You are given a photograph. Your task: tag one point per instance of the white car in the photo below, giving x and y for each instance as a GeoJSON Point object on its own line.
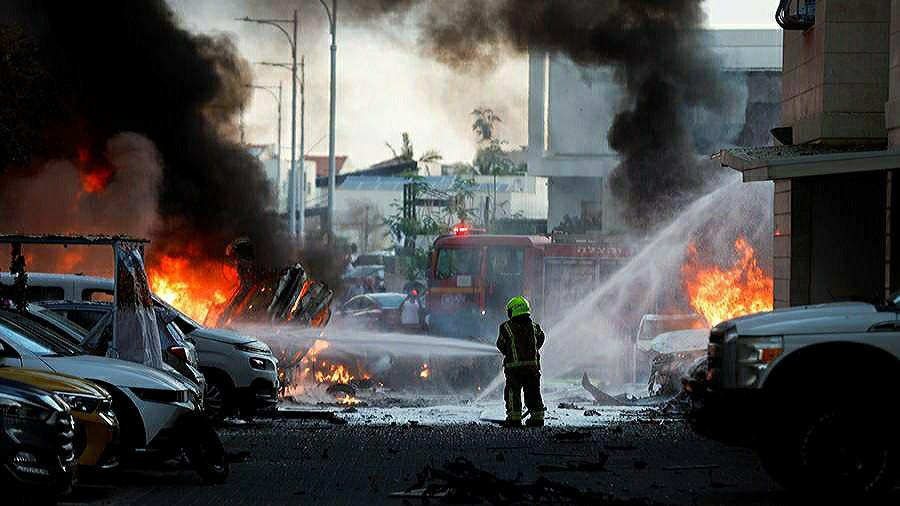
{"type": "Point", "coordinates": [241, 372]}
{"type": "Point", "coordinates": [811, 388]}
{"type": "Point", "coordinates": [156, 397]}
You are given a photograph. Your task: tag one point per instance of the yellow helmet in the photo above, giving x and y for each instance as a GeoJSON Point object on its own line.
{"type": "Point", "coordinates": [517, 306]}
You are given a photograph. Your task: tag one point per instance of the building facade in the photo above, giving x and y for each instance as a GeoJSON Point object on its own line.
{"type": "Point", "coordinates": [571, 108]}
{"type": "Point", "coordinates": [839, 148]}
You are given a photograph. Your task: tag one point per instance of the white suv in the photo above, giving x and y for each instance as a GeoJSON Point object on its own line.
{"type": "Point", "coordinates": [241, 372]}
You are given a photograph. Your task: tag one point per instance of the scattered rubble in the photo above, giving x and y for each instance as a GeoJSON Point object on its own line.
{"type": "Point", "coordinates": [460, 481]}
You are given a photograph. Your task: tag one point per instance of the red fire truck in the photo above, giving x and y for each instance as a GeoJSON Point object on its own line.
{"type": "Point", "coordinates": [472, 276]}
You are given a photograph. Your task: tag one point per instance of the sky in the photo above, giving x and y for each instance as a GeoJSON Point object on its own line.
{"type": "Point", "coordinates": [384, 85]}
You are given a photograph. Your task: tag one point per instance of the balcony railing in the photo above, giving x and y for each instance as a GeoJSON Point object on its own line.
{"type": "Point", "coordinates": [796, 14]}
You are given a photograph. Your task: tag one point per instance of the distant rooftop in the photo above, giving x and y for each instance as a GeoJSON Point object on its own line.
{"type": "Point", "coordinates": [387, 183]}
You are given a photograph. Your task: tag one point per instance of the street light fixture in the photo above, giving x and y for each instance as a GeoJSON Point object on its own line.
{"type": "Point", "coordinates": [301, 199]}
{"type": "Point", "coordinates": [271, 91]}
{"type": "Point", "coordinates": [292, 40]}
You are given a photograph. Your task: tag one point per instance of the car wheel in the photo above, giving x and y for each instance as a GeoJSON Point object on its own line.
{"type": "Point", "coordinates": [218, 398]}
{"type": "Point", "coordinates": [844, 452]}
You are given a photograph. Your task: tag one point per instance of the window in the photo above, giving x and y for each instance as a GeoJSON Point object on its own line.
{"type": "Point", "coordinates": [45, 293]}
{"type": "Point", "coordinates": [84, 318]}
{"type": "Point", "coordinates": [506, 261]}
{"type": "Point", "coordinates": [455, 262]}
{"type": "Point", "coordinates": [97, 295]}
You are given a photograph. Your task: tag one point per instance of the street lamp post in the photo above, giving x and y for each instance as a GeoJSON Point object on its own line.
{"type": "Point", "coordinates": [332, 20]}
{"type": "Point", "coordinates": [271, 91]}
{"type": "Point", "coordinates": [292, 40]}
{"type": "Point", "coordinates": [301, 176]}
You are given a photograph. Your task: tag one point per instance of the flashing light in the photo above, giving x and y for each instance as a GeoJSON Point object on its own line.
{"type": "Point", "coordinates": [461, 229]}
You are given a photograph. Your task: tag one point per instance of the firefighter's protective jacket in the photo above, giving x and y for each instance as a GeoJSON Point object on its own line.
{"type": "Point", "coordinates": [520, 341]}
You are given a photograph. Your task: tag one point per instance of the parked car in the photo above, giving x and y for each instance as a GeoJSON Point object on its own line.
{"type": "Point", "coordinates": [156, 410]}
{"type": "Point", "coordinates": [372, 311]}
{"type": "Point", "coordinates": [811, 389]}
{"type": "Point", "coordinates": [36, 444]}
{"type": "Point", "coordinates": [178, 352]}
{"type": "Point", "coordinates": [240, 371]}
{"type": "Point", "coordinates": [96, 427]}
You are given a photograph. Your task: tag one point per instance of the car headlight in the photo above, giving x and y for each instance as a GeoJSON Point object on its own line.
{"type": "Point", "coordinates": [253, 347]}
{"type": "Point", "coordinates": [261, 364]}
{"type": "Point", "coordinates": [18, 411]}
{"type": "Point", "coordinates": [754, 354]}
{"type": "Point", "coordinates": [81, 402]}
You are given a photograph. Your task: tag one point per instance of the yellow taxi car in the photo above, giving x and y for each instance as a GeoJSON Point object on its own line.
{"type": "Point", "coordinates": [96, 427]}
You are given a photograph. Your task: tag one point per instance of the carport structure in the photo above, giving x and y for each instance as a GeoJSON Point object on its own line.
{"type": "Point", "coordinates": [134, 332]}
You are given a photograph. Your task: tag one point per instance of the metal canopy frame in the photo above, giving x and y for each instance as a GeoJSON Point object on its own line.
{"type": "Point", "coordinates": [64, 240]}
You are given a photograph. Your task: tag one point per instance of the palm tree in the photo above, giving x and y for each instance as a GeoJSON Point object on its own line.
{"type": "Point", "coordinates": [407, 153]}
{"type": "Point", "coordinates": [484, 124]}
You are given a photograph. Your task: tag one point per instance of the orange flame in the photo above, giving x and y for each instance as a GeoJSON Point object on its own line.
{"type": "Point", "coordinates": [310, 368]}
{"type": "Point", "coordinates": [719, 295]}
{"type": "Point", "coordinates": [425, 373]}
{"type": "Point", "coordinates": [197, 287]}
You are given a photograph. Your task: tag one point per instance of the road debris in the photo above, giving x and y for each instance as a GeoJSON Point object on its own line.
{"type": "Point", "coordinates": [601, 398]}
{"type": "Point", "coordinates": [461, 482]}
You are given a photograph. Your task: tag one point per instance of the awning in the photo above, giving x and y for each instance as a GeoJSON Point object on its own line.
{"type": "Point", "coordinates": [769, 163]}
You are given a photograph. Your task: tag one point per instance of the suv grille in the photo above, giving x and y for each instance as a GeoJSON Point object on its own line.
{"type": "Point", "coordinates": [66, 426]}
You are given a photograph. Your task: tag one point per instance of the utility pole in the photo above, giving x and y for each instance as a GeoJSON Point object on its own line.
{"type": "Point", "coordinates": [332, 19]}
{"type": "Point", "coordinates": [292, 178]}
{"type": "Point", "coordinates": [302, 217]}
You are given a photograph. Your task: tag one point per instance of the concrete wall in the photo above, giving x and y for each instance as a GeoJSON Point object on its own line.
{"type": "Point", "coordinates": [571, 108]}
{"type": "Point", "coordinates": [836, 73]}
{"type": "Point", "coordinates": [892, 108]}
{"type": "Point", "coordinates": [835, 240]}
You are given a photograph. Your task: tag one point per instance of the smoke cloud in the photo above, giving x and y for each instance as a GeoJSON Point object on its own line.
{"type": "Point", "coordinates": [653, 45]}
{"type": "Point", "coordinates": [87, 71]}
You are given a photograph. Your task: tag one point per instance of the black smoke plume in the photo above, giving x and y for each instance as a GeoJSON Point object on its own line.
{"type": "Point", "coordinates": [75, 75]}
{"type": "Point", "coordinates": [654, 46]}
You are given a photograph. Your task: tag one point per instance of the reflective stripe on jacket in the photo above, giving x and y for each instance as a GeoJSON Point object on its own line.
{"type": "Point", "coordinates": [520, 340]}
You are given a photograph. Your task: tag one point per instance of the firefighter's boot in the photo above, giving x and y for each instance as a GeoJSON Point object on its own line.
{"type": "Point", "coordinates": [535, 420]}
{"type": "Point", "coordinates": [511, 424]}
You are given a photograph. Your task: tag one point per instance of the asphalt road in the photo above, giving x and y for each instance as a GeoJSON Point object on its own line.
{"type": "Point", "coordinates": [281, 461]}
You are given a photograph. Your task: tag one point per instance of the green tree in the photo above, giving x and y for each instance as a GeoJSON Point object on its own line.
{"type": "Point", "coordinates": [491, 158]}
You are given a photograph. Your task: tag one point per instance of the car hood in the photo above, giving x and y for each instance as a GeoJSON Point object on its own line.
{"type": "Point", "coordinates": [678, 341]}
{"type": "Point", "coordinates": [53, 381]}
{"type": "Point", "coordinates": [838, 317]}
{"type": "Point", "coordinates": [222, 335]}
{"type": "Point", "coordinates": [115, 372]}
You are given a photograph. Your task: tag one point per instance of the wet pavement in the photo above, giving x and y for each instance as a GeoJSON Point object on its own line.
{"type": "Point", "coordinates": [622, 455]}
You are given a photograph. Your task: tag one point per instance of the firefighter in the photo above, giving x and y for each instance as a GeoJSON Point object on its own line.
{"type": "Point", "coordinates": [519, 341]}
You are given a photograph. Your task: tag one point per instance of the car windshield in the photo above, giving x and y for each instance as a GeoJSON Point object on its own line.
{"type": "Point", "coordinates": [388, 300]}
{"type": "Point", "coordinates": [454, 262]}
{"type": "Point", "coordinates": [184, 322]}
{"type": "Point", "coordinates": [38, 339]}
{"type": "Point", "coordinates": [75, 332]}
